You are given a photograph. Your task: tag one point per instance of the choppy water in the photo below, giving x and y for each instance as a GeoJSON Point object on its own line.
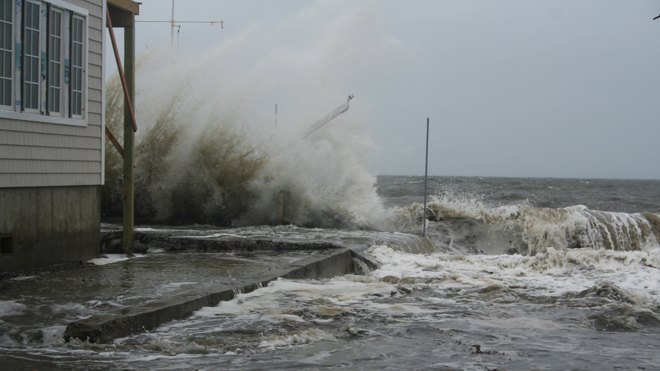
{"type": "Point", "coordinates": [524, 274]}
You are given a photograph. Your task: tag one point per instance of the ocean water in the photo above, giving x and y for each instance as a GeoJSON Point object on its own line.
{"type": "Point", "coordinates": [514, 274]}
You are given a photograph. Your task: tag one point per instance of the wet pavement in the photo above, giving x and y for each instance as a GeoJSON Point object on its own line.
{"type": "Point", "coordinates": [58, 298]}
{"type": "Point", "coordinates": [185, 269]}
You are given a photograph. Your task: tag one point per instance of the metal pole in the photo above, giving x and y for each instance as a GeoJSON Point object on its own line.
{"type": "Point", "coordinates": [129, 139]}
{"type": "Point", "coordinates": [172, 26]}
{"type": "Point", "coordinates": [426, 175]}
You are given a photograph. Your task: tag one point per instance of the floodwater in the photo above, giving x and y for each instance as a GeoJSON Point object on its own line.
{"type": "Point", "coordinates": [520, 274]}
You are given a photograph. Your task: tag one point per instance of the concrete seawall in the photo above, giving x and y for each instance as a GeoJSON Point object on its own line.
{"type": "Point", "coordinates": [318, 260]}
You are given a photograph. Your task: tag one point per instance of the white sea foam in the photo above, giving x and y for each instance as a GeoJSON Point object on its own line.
{"type": "Point", "coordinates": [53, 335]}
{"type": "Point", "coordinates": [303, 337]}
{"type": "Point", "coordinates": [112, 258]}
{"type": "Point", "coordinates": [11, 308]}
{"type": "Point", "coordinates": [332, 296]}
{"type": "Point", "coordinates": [22, 278]}
{"type": "Point", "coordinates": [554, 272]}
{"type": "Point", "coordinates": [524, 228]}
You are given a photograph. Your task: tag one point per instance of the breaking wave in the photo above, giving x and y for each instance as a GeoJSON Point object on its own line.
{"type": "Point", "coordinates": [211, 149]}
{"type": "Point", "coordinates": [468, 225]}
{"type": "Point", "coordinates": [212, 167]}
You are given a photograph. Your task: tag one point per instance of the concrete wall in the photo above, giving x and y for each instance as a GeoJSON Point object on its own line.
{"type": "Point", "coordinates": [48, 225]}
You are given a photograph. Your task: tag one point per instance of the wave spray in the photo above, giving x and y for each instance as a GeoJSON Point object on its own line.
{"type": "Point", "coordinates": [207, 151]}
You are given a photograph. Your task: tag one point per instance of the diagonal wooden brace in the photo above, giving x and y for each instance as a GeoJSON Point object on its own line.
{"type": "Point", "coordinates": [120, 69]}
{"type": "Point", "coordinates": [114, 141]}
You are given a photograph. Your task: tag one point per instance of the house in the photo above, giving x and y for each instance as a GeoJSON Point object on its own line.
{"type": "Point", "coordinates": [51, 129]}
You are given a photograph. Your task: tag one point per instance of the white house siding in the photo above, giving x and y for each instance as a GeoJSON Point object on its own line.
{"type": "Point", "coordinates": [43, 154]}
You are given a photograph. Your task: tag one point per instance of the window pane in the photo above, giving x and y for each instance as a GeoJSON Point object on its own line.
{"type": "Point", "coordinates": [8, 36]}
{"type": "Point", "coordinates": [35, 16]}
{"type": "Point", "coordinates": [35, 42]}
{"type": "Point", "coordinates": [56, 99]}
{"type": "Point", "coordinates": [74, 104]}
{"type": "Point", "coordinates": [34, 92]}
{"type": "Point", "coordinates": [34, 69]}
{"type": "Point", "coordinates": [6, 64]}
{"type": "Point", "coordinates": [28, 14]}
{"type": "Point", "coordinates": [28, 96]}
{"type": "Point", "coordinates": [5, 38]}
{"type": "Point", "coordinates": [5, 94]}
{"type": "Point", "coordinates": [77, 24]}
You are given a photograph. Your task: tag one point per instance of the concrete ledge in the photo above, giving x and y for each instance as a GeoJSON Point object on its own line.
{"type": "Point", "coordinates": [104, 328]}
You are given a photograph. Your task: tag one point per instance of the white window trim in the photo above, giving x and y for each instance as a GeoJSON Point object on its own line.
{"type": "Point", "coordinates": [13, 112]}
{"type": "Point", "coordinates": [25, 116]}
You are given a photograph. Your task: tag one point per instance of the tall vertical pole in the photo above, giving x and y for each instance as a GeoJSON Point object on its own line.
{"type": "Point", "coordinates": [426, 176]}
{"type": "Point", "coordinates": [129, 139]}
{"type": "Point", "coordinates": [172, 26]}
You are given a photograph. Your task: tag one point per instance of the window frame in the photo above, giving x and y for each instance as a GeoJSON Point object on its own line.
{"type": "Point", "coordinates": [43, 114]}
{"type": "Point", "coordinates": [26, 70]}
{"type": "Point", "coordinates": [83, 68]}
{"type": "Point", "coordinates": [11, 50]}
{"type": "Point", "coordinates": [60, 69]}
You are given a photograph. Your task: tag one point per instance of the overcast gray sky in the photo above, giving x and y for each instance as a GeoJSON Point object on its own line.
{"type": "Point", "coordinates": [512, 88]}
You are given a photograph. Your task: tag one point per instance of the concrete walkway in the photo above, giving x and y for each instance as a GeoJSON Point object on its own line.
{"type": "Point", "coordinates": [100, 303]}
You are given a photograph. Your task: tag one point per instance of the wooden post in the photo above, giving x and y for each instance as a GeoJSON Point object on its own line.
{"type": "Point", "coordinates": [129, 139]}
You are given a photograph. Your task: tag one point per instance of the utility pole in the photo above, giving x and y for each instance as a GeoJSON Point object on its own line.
{"type": "Point", "coordinates": [172, 26]}
{"type": "Point", "coordinates": [177, 24]}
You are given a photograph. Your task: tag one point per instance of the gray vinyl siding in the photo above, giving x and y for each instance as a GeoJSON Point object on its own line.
{"type": "Point", "coordinates": [40, 154]}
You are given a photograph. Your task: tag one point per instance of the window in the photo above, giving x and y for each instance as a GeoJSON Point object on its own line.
{"type": "Point", "coordinates": [76, 66]}
{"type": "Point", "coordinates": [31, 57]}
{"type": "Point", "coordinates": [55, 66]}
{"type": "Point", "coordinates": [43, 64]}
{"type": "Point", "coordinates": [6, 52]}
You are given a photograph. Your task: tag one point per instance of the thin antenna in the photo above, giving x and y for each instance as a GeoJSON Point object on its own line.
{"type": "Point", "coordinates": [275, 114]}
{"type": "Point", "coordinates": [426, 176]}
{"type": "Point", "coordinates": [177, 24]}
{"type": "Point", "coordinates": [172, 26]}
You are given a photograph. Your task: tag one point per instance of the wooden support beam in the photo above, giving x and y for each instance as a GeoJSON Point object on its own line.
{"type": "Point", "coordinates": [127, 96]}
{"type": "Point", "coordinates": [126, 6]}
{"type": "Point", "coordinates": [129, 141]}
{"type": "Point", "coordinates": [114, 141]}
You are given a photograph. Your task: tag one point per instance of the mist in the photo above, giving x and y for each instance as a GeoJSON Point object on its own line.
{"type": "Point", "coordinates": [211, 148]}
